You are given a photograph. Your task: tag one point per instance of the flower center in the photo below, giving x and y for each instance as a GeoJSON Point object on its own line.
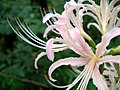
{"type": "Point", "coordinates": [94, 58]}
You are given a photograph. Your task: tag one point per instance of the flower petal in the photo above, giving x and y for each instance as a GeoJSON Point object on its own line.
{"type": "Point", "coordinates": [101, 47]}
{"type": "Point", "coordinates": [47, 17]}
{"type": "Point", "coordinates": [98, 80]}
{"type": "Point", "coordinates": [67, 61]}
{"type": "Point", "coordinates": [104, 8]}
{"type": "Point", "coordinates": [68, 39]}
{"type": "Point", "coordinates": [48, 29]}
{"type": "Point", "coordinates": [49, 47]}
{"type": "Point", "coordinates": [38, 57]}
{"type": "Point", "coordinates": [69, 4]}
{"type": "Point", "coordinates": [62, 19]}
{"type": "Point", "coordinates": [84, 47]}
{"type": "Point", "coordinates": [110, 58]}
{"type": "Point", "coordinates": [49, 50]}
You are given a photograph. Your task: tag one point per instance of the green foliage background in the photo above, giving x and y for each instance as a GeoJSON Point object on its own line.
{"type": "Point", "coordinates": [17, 70]}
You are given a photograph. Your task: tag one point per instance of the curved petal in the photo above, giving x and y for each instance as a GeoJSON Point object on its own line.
{"type": "Point", "coordinates": [67, 61]}
{"type": "Point", "coordinates": [68, 40]}
{"type": "Point", "coordinates": [99, 80]}
{"type": "Point", "coordinates": [94, 24]}
{"type": "Point", "coordinates": [101, 47]}
{"type": "Point", "coordinates": [70, 4]}
{"type": "Point", "coordinates": [49, 50]}
{"type": "Point", "coordinates": [110, 58]}
{"type": "Point", "coordinates": [62, 20]}
{"type": "Point", "coordinates": [97, 19]}
{"type": "Point", "coordinates": [38, 57]}
{"type": "Point", "coordinates": [84, 47]}
{"type": "Point", "coordinates": [104, 8]}
{"type": "Point", "coordinates": [47, 17]}
{"type": "Point", "coordinates": [50, 46]}
{"type": "Point", "coordinates": [49, 28]}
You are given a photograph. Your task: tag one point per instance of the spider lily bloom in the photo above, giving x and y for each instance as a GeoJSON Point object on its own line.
{"type": "Point", "coordinates": [69, 27]}
{"type": "Point", "coordinates": [72, 17]}
{"type": "Point", "coordinates": [91, 61]}
{"type": "Point", "coordinates": [105, 14]}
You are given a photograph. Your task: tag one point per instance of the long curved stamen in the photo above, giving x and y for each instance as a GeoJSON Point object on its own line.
{"type": "Point", "coordinates": [77, 79]}
{"type": "Point", "coordinates": [27, 33]}
{"type": "Point", "coordinates": [84, 82]}
{"type": "Point", "coordinates": [49, 23]}
{"type": "Point", "coordinates": [22, 37]}
{"type": "Point", "coordinates": [31, 33]}
{"type": "Point", "coordinates": [85, 74]}
{"type": "Point", "coordinates": [54, 84]}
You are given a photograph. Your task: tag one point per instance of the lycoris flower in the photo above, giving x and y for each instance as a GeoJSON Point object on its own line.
{"type": "Point", "coordinates": [69, 27]}
{"type": "Point", "coordinates": [88, 59]}
{"type": "Point", "coordinates": [105, 14]}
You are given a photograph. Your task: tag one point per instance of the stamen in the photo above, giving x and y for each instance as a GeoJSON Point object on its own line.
{"type": "Point", "coordinates": [84, 75]}
{"type": "Point", "coordinates": [77, 79]}
{"type": "Point", "coordinates": [22, 37]}
{"type": "Point", "coordinates": [54, 84]}
{"type": "Point", "coordinates": [49, 23]}
{"type": "Point", "coordinates": [34, 34]}
{"type": "Point", "coordinates": [27, 33]}
{"type": "Point", "coordinates": [84, 82]}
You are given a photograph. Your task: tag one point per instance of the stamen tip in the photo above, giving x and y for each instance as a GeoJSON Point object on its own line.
{"type": "Point", "coordinates": [46, 77]}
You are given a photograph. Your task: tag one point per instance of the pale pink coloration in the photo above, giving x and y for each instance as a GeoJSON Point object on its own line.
{"type": "Point", "coordinates": [69, 27]}
{"type": "Point", "coordinates": [111, 72]}
{"type": "Point", "coordinates": [71, 17]}
{"type": "Point", "coordinates": [32, 39]}
{"type": "Point", "coordinates": [92, 63]}
{"type": "Point", "coordinates": [105, 15]}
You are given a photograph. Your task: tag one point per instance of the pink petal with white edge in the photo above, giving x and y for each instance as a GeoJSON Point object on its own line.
{"type": "Point", "coordinates": [77, 6]}
{"type": "Point", "coordinates": [68, 39]}
{"type": "Point", "coordinates": [50, 46]}
{"type": "Point", "coordinates": [49, 50]}
{"type": "Point", "coordinates": [99, 80]}
{"type": "Point", "coordinates": [38, 57]}
{"type": "Point", "coordinates": [84, 47]}
{"type": "Point", "coordinates": [48, 29]}
{"type": "Point", "coordinates": [110, 58]}
{"type": "Point", "coordinates": [67, 61]}
{"type": "Point", "coordinates": [69, 4]}
{"type": "Point", "coordinates": [47, 17]}
{"type": "Point", "coordinates": [101, 47]}
{"type": "Point", "coordinates": [62, 19]}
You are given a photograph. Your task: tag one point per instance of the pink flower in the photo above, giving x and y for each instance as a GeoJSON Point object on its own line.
{"type": "Point", "coordinates": [69, 27]}
{"type": "Point", "coordinates": [87, 58]}
{"type": "Point", "coordinates": [105, 14]}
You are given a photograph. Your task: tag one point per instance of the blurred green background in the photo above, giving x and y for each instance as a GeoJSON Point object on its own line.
{"type": "Point", "coordinates": [17, 71]}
